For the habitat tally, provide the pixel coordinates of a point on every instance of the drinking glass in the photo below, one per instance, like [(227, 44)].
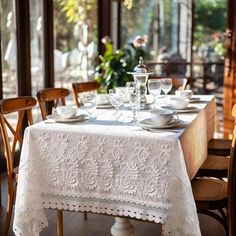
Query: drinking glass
[(166, 85), (154, 88), (133, 101), (115, 98), (90, 102)]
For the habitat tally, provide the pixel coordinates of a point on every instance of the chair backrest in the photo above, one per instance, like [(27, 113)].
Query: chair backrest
[(232, 183), (13, 135), (83, 87), (51, 97), (179, 83)]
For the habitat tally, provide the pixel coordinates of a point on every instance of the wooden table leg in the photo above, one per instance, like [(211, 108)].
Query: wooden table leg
[(122, 227)]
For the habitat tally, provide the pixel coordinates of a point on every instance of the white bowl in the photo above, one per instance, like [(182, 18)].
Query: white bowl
[(102, 99), (66, 111), (120, 90), (184, 93), (162, 116), (179, 103)]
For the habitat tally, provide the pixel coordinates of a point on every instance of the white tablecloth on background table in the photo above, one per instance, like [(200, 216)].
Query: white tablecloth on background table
[(106, 166)]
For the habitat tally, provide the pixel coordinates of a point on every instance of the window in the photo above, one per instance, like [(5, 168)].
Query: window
[(75, 30), (36, 31), (9, 51)]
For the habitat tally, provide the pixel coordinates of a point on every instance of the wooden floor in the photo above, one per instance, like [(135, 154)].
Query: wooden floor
[(99, 225)]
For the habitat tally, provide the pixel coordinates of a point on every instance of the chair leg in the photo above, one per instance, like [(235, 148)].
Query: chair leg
[(85, 216), (0, 196), (8, 214), (0, 191), (223, 214), (59, 223), (162, 230)]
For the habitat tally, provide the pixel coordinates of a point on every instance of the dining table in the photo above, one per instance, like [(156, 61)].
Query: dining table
[(110, 165)]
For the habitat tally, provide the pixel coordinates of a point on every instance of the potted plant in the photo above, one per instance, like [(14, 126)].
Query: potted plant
[(115, 65)]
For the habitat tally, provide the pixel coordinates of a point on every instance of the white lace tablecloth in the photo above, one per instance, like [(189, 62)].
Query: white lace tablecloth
[(105, 166)]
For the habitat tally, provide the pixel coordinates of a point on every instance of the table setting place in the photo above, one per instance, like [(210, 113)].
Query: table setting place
[(129, 106), (139, 103)]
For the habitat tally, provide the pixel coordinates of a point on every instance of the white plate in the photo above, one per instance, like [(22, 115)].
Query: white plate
[(185, 110), (59, 119), (149, 123), (104, 106), (192, 100)]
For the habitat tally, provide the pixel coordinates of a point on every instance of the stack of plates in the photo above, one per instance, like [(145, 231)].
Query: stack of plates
[(149, 123), (104, 105), (56, 118), (184, 110), (103, 101), (193, 100)]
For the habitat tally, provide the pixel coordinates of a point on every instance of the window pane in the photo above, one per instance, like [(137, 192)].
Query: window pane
[(208, 44), (75, 32), (36, 30), (167, 26), (9, 52)]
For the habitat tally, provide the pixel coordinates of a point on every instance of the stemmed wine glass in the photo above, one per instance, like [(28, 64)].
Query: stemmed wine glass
[(133, 99), (166, 85), (154, 88), (90, 102)]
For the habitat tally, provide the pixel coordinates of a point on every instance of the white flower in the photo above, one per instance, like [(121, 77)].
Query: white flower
[(139, 41)]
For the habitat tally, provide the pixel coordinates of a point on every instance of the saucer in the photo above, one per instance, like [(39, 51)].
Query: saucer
[(149, 123), (185, 110), (59, 119), (192, 100), (104, 105)]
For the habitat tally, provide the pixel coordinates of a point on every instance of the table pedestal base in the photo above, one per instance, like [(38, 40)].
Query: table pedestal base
[(122, 227)]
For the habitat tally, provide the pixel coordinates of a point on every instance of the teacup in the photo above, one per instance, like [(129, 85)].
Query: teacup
[(178, 102), (102, 99), (162, 116), (66, 112), (120, 90), (186, 94)]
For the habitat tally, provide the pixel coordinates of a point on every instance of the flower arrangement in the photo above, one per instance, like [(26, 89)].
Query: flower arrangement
[(114, 66)]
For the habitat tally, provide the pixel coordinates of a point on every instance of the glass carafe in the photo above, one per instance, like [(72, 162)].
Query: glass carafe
[(140, 75)]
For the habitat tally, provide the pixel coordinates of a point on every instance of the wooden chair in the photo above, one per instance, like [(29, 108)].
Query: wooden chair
[(214, 194), (179, 83), (83, 87), (51, 97), (217, 165), (12, 136), (219, 147), (232, 189)]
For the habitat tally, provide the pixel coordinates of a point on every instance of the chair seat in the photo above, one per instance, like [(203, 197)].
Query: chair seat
[(219, 147), (216, 163), (209, 189), (214, 166)]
